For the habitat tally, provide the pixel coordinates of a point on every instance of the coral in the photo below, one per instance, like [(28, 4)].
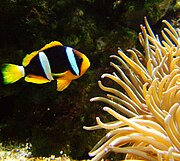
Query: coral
[(147, 125)]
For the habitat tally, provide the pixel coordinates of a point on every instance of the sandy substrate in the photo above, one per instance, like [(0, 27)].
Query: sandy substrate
[(23, 153)]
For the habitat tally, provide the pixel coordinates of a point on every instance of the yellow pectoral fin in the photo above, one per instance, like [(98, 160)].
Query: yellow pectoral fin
[(60, 75), (36, 79), (67, 75), (51, 44), (28, 58), (62, 84)]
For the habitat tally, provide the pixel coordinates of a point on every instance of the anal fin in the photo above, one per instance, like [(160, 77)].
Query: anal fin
[(36, 79), (62, 84)]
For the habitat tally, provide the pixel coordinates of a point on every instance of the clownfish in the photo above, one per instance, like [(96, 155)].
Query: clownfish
[(52, 62)]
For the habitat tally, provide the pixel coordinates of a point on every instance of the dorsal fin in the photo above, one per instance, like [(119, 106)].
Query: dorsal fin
[(51, 44), (28, 57)]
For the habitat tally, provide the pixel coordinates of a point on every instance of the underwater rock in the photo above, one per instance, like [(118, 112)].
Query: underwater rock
[(133, 12)]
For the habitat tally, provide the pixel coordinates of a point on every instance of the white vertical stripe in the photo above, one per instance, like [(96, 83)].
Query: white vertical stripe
[(72, 60), (21, 68), (45, 65)]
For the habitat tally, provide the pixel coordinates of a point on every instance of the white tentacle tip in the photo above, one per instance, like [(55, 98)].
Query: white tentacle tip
[(97, 119), (92, 99), (105, 108), (85, 127), (102, 76)]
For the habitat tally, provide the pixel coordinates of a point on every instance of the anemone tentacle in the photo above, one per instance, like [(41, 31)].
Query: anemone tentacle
[(151, 103)]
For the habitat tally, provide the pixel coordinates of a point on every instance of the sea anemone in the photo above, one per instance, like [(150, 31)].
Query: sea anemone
[(147, 111)]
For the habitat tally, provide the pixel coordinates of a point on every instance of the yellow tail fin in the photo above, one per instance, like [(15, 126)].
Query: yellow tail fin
[(12, 73)]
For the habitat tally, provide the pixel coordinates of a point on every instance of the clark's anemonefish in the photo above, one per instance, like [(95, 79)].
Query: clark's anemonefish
[(52, 62)]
